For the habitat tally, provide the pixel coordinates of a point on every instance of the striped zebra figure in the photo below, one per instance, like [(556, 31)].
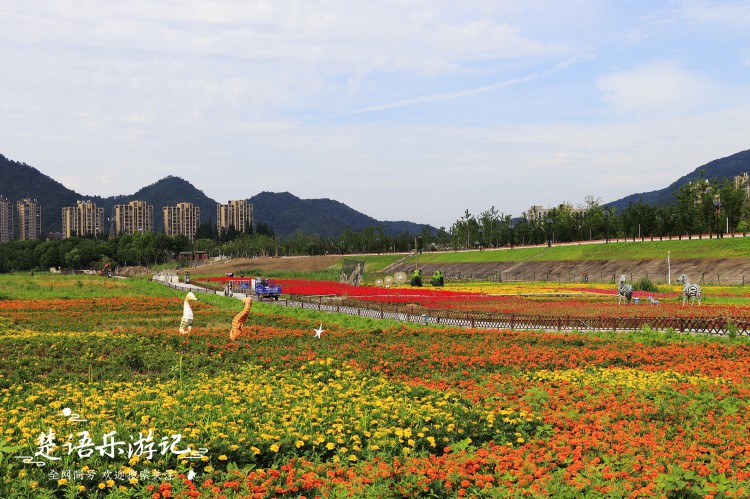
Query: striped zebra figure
[(691, 291), (624, 291)]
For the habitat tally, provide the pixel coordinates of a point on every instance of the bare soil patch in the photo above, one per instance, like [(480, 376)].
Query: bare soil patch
[(268, 264)]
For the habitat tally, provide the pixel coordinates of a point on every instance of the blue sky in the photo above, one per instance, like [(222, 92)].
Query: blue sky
[(404, 110)]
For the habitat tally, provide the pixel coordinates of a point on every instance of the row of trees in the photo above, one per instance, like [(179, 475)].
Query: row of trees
[(88, 253), (701, 207), (153, 248)]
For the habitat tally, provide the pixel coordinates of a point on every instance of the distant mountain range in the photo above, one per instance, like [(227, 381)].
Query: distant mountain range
[(282, 211), (285, 213), (728, 167)]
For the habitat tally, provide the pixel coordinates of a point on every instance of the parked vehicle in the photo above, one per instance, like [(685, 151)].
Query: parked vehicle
[(265, 288)]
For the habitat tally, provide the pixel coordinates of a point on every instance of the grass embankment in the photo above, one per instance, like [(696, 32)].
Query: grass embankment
[(686, 248)]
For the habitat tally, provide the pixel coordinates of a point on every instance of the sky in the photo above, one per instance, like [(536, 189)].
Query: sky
[(413, 110)]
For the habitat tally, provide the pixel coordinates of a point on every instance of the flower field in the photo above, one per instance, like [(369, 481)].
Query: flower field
[(100, 396), (544, 299)]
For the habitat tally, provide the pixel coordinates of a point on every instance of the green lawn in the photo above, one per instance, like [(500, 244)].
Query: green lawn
[(685, 248)]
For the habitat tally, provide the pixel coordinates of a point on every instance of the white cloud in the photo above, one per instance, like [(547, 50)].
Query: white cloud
[(721, 14), (493, 102), (656, 88)]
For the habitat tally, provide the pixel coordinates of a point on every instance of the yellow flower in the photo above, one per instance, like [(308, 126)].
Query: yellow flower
[(299, 443), (255, 450), (133, 481), (102, 485), (62, 481), (275, 447), (330, 446), (224, 457), (81, 488)]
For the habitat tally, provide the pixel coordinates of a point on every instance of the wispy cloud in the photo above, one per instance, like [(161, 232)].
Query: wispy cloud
[(444, 96)]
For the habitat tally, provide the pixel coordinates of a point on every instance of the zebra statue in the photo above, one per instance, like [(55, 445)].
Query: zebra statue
[(624, 291), (691, 291)]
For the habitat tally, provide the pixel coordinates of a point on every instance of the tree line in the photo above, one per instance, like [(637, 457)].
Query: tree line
[(155, 248), (701, 207)]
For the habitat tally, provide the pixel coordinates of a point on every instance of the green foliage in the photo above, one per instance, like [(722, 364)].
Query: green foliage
[(732, 330), (645, 284), (682, 484)]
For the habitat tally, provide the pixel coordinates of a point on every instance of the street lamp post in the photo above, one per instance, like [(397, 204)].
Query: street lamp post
[(416, 251), (511, 227), (606, 225), (549, 232), (717, 204), (481, 238)]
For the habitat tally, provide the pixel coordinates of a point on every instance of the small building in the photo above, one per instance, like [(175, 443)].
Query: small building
[(193, 258)]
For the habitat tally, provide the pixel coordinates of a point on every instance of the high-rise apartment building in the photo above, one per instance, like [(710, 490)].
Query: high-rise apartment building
[(184, 218), (742, 182), (136, 216), (237, 213), (6, 220), (28, 219), (83, 219)]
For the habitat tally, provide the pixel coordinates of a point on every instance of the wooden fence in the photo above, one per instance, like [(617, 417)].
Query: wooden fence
[(718, 326)]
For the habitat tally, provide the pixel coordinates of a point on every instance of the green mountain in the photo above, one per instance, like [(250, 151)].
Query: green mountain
[(286, 214), (283, 212), (166, 192), (722, 168), (19, 181)]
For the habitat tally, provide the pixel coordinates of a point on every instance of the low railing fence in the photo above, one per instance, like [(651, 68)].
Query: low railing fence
[(718, 326), (490, 320)]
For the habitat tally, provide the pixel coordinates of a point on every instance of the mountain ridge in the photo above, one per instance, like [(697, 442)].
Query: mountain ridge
[(284, 212), (726, 167)]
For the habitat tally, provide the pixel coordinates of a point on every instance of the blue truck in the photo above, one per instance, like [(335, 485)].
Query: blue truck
[(267, 288)]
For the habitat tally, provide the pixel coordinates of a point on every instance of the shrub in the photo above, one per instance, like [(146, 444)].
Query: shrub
[(645, 284)]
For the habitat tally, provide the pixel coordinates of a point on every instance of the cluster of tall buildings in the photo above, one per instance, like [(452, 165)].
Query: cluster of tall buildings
[(23, 219), (20, 220)]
